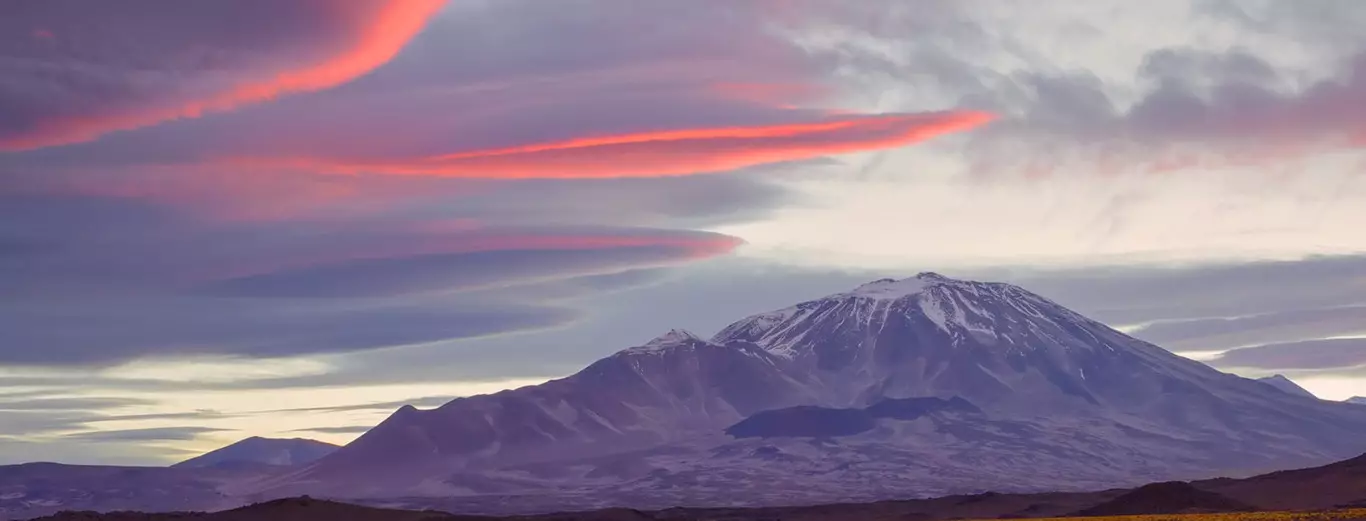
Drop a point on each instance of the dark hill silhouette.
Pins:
(1330, 486)
(1172, 497)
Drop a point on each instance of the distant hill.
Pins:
(1337, 485)
(258, 450)
(1173, 497)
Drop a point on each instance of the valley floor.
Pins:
(304, 509)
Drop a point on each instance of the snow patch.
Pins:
(934, 310)
(891, 288)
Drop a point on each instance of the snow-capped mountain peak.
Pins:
(673, 338)
(895, 289)
(932, 335)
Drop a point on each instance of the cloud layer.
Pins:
(672, 152)
(77, 71)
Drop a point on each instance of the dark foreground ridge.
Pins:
(1172, 497)
(1336, 486)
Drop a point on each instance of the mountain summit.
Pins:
(926, 385)
(262, 451)
(1280, 381)
(992, 343)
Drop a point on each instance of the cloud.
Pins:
(1310, 354)
(350, 429)
(117, 330)
(165, 281)
(142, 435)
(480, 261)
(47, 416)
(1212, 108)
(421, 402)
(67, 403)
(669, 152)
(1278, 83)
(92, 70)
(1218, 333)
(1135, 295)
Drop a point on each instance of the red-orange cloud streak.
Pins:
(376, 33)
(670, 152)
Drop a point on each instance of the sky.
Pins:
(289, 217)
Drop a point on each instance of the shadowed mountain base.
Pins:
(1338, 484)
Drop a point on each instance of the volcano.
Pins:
(752, 415)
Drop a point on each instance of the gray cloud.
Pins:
(28, 422)
(14, 450)
(1226, 333)
(66, 416)
(352, 429)
(148, 434)
(115, 330)
(522, 259)
(10, 403)
(162, 281)
(1310, 354)
(1135, 295)
(1332, 22)
(422, 402)
(1182, 105)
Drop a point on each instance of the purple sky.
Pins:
(297, 214)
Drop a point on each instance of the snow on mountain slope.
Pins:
(1285, 384)
(1065, 399)
(990, 343)
(258, 450)
(1357, 400)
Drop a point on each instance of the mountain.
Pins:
(738, 418)
(258, 450)
(1285, 384)
(1360, 400)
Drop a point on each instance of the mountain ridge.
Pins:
(646, 425)
(1283, 383)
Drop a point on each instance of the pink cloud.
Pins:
(664, 152)
(369, 34)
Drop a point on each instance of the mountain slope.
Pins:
(1059, 397)
(258, 450)
(673, 387)
(1285, 384)
(1357, 400)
